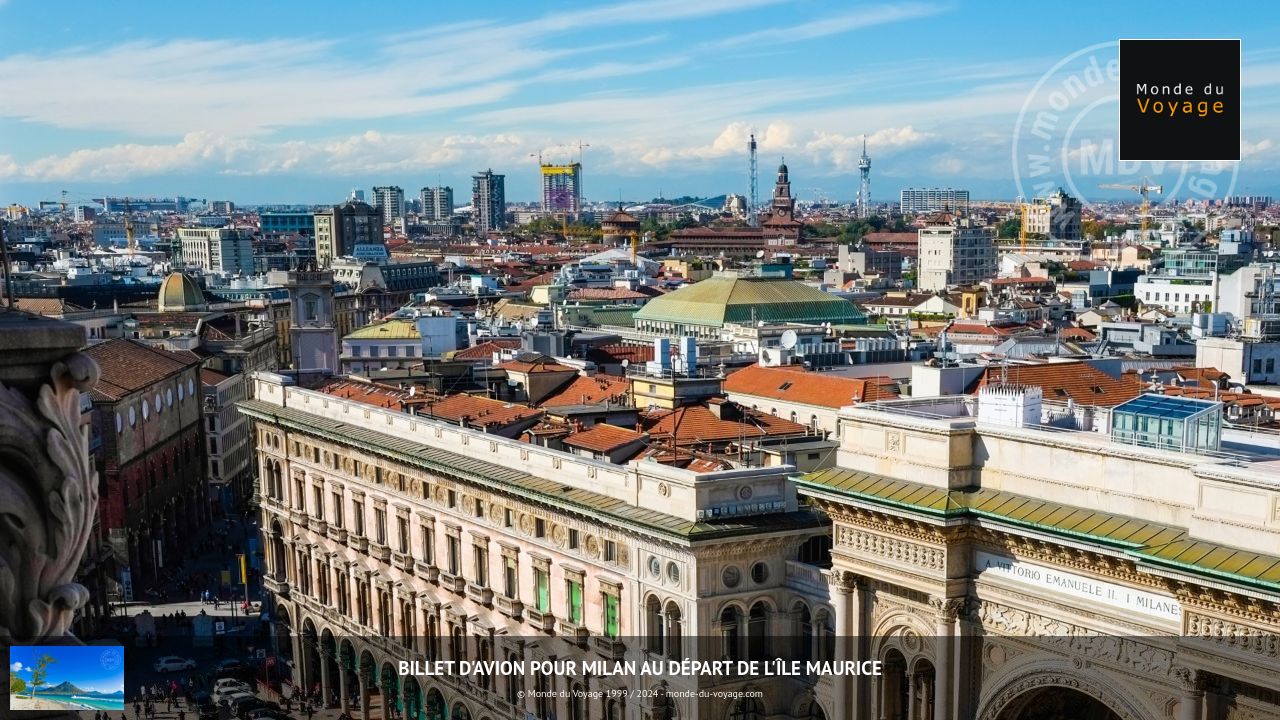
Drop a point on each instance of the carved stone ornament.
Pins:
(48, 484)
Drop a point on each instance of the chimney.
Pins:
(1010, 405)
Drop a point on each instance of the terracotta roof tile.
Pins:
(808, 388)
(478, 412)
(595, 390)
(129, 366)
(604, 438)
(698, 425)
(543, 364)
(1078, 381)
(365, 392)
(486, 349)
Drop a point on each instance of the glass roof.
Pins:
(1164, 406)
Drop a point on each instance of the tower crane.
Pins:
(128, 228)
(1142, 189)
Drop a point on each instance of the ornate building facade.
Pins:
(1013, 572)
(392, 537)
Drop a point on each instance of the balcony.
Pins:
(806, 578)
(609, 648)
(510, 607)
(402, 561)
(480, 594)
(319, 526)
(276, 583)
(298, 516)
(359, 543)
(455, 584)
(430, 573)
(574, 632)
(337, 533)
(545, 622)
(380, 551)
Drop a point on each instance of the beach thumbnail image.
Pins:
(64, 677)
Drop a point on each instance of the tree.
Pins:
(16, 684)
(40, 673)
(1009, 228)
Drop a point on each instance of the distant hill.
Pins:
(62, 688)
(119, 693)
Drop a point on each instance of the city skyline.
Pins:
(278, 107)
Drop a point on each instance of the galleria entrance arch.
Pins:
(1056, 703)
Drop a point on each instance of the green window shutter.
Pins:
(575, 603)
(544, 591)
(611, 615)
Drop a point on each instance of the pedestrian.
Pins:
(311, 710)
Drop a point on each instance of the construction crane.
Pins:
(1022, 227)
(1144, 211)
(128, 228)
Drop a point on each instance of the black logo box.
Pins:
(1194, 65)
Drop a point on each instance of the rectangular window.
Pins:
(611, 615)
(610, 551)
(539, 528)
(542, 579)
(573, 589)
(428, 545)
(455, 553)
(453, 499)
(318, 494)
(1271, 365)
(480, 565)
(511, 577)
(507, 519)
(337, 510)
(380, 525)
(402, 527)
(573, 539)
(479, 508)
(357, 517)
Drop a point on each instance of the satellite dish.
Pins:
(789, 339)
(759, 253)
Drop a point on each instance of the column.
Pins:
(324, 673)
(838, 581)
(1191, 704)
(913, 696)
(859, 685)
(295, 637)
(947, 609)
(364, 694)
(344, 692)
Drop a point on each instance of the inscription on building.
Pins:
(1078, 586)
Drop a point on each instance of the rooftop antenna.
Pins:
(864, 187)
(754, 202)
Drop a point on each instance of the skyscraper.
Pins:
(562, 188)
(341, 228)
(389, 199)
(437, 202)
(923, 200)
(489, 201)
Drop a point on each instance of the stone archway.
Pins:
(1056, 703)
(1047, 693)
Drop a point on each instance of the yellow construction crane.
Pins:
(1022, 227)
(1144, 211)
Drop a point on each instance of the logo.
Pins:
(111, 658)
(1067, 136)
(1180, 100)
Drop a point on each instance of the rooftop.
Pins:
(128, 366)
(730, 298)
(390, 329)
(808, 388)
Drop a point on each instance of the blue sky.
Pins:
(300, 101)
(90, 668)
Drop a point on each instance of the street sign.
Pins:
(126, 585)
(220, 628)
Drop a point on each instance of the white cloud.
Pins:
(858, 19)
(17, 666)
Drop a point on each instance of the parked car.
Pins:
(231, 694)
(242, 707)
(228, 682)
(173, 663)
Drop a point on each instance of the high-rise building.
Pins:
(489, 201)
(222, 207)
(955, 250)
(1055, 218)
(562, 188)
(437, 202)
(220, 249)
(340, 229)
(923, 200)
(389, 200)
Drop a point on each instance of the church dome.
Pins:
(180, 293)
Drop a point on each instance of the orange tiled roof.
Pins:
(486, 349)
(476, 411)
(583, 390)
(618, 352)
(697, 425)
(211, 377)
(128, 366)
(1060, 382)
(606, 294)
(808, 388)
(1076, 333)
(543, 364)
(365, 392)
(604, 438)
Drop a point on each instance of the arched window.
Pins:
(803, 631)
(460, 712)
(758, 632)
(825, 630)
(654, 622)
(675, 631)
(731, 633)
(746, 709)
(576, 708)
(794, 416)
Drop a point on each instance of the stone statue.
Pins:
(48, 484)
